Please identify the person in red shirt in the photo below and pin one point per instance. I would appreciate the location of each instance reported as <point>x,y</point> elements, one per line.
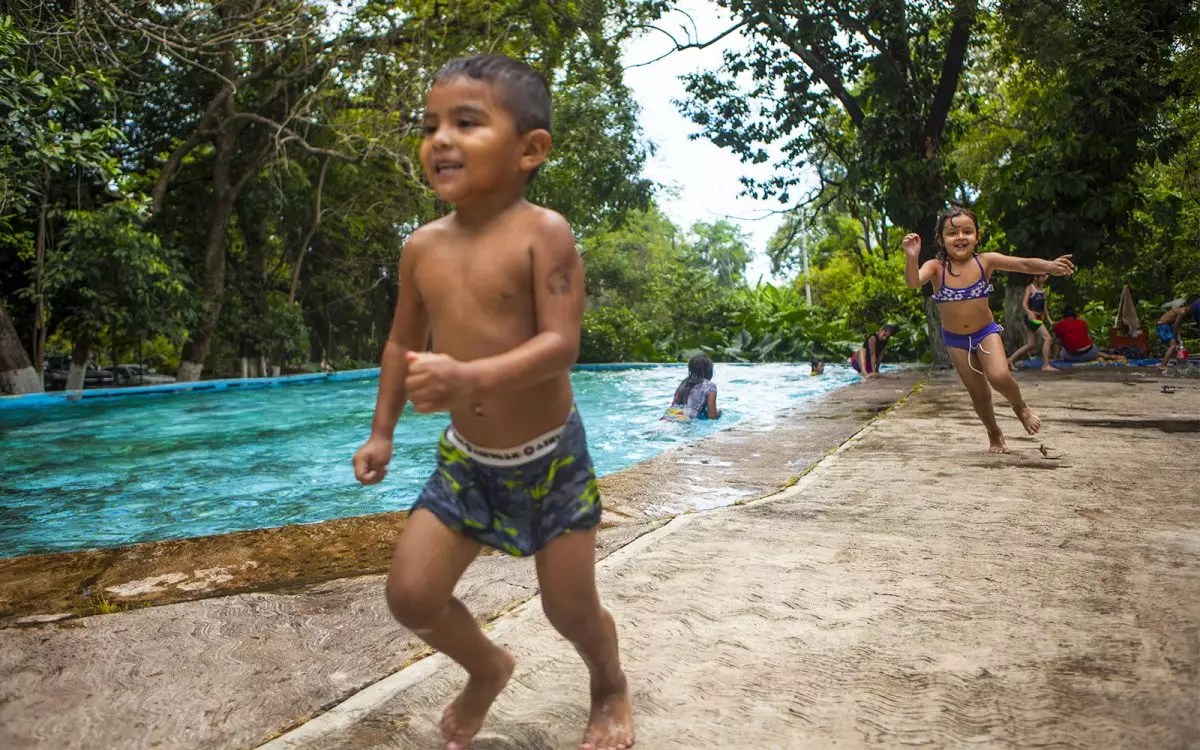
<point>1077,345</point>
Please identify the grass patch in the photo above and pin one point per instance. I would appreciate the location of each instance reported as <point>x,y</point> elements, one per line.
<point>99,605</point>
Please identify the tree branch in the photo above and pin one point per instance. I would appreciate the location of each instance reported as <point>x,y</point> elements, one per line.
<point>818,65</point>
<point>679,47</point>
<point>952,65</point>
<point>312,230</point>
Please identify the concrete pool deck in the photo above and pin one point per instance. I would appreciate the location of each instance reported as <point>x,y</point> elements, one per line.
<point>909,589</point>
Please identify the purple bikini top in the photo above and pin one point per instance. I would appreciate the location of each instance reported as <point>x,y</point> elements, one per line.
<point>981,288</point>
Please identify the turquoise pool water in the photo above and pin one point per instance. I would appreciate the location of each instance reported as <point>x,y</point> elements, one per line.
<point>114,471</point>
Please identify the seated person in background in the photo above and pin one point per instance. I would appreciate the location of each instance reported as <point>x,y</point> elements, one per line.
<point>696,396</point>
<point>818,367</point>
<point>867,359</point>
<point>1077,345</point>
<point>1170,323</point>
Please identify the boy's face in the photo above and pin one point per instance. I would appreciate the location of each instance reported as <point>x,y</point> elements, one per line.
<point>471,146</point>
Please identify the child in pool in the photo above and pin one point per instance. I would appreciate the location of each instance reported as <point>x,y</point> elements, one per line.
<point>967,324</point>
<point>499,284</point>
<point>696,396</point>
<point>1037,322</point>
<point>867,360</point>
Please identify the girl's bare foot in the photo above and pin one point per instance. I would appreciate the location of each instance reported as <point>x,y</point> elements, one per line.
<point>1050,368</point>
<point>463,718</point>
<point>610,725</point>
<point>1029,419</point>
<point>996,442</point>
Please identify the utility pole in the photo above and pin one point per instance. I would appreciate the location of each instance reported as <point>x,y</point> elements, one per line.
<point>804,254</point>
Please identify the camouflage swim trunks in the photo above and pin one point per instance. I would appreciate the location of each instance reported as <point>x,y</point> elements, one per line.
<point>515,499</point>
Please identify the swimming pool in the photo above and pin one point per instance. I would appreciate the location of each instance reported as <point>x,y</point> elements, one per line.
<point>107,472</point>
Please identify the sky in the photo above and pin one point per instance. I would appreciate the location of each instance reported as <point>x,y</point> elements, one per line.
<point>704,176</point>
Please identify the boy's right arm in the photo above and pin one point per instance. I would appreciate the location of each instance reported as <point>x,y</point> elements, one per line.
<point>410,331</point>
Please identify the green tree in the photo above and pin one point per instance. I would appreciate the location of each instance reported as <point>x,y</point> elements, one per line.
<point>890,70</point>
<point>721,247</point>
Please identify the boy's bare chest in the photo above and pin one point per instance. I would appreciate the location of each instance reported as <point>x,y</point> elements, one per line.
<point>470,285</point>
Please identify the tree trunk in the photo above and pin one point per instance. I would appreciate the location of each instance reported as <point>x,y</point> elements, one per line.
<point>79,357</point>
<point>39,326</point>
<point>1014,312</point>
<point>17,374</point>
<point>933,323</point>
<point>196,350</point>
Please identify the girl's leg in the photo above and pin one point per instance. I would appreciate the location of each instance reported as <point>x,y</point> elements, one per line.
<point>991,354</point>
<point>1030,344</point>
<point>1044,333</point>
<point>981,398</point>
<point>428,561</point>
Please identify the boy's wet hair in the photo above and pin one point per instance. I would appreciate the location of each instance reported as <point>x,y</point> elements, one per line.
<point>1068,311</point>
<point>946,216</point>
<point>524,92</point>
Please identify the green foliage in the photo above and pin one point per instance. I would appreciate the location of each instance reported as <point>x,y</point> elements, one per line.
<point>615,334</point>
<point>109,272</point>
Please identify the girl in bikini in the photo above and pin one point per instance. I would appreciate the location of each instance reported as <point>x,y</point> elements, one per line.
<point>967,324</point>
<point>1037,322</point>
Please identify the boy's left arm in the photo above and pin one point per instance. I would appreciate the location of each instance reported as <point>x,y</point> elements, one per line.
<point>558,303</point>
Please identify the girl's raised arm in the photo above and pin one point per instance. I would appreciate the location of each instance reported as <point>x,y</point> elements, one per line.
<point>916,276</point>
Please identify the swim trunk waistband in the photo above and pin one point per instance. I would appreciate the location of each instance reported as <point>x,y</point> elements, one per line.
<point>515,456</point>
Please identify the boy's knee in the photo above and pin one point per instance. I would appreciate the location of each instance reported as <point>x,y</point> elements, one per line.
<point>414,605</point>
<point>574,617</point>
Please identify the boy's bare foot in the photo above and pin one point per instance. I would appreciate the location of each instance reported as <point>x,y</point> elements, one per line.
<point>610,725</point>
<point>463,718</point>
<point>996,442</point>
<point>1029,419</point>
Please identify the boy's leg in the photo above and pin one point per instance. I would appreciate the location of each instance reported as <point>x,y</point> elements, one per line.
<point>428,561</point>
<point>566,569</point>
<point>981,398</point>
<point>994,365</point>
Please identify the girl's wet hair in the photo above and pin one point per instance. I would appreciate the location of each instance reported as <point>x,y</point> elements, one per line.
<point>891,328</point>
<point>524,92</point>
<point>946,216</point>
<point>700,368</point>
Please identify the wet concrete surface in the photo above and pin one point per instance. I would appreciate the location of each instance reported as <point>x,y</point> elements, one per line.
<point>911,590</point>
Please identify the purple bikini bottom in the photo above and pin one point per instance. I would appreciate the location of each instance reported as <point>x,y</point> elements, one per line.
<point>970,341</point>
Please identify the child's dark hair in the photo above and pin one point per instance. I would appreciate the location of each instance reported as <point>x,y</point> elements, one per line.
<point>700,368</point>
<point>1068,311</point>
<point>891,328</point>
<point>524,92</point>
<point>945,216</point>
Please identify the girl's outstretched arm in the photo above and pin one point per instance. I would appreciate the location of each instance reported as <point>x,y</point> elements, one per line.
<point>1061,266</point>
<point>916,275</point>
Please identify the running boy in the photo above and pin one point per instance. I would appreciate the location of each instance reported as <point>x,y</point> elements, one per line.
<point>499,285</point>
<point>967,324</point>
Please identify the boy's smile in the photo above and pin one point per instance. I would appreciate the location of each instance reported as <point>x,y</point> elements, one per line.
<point>471,145</point>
